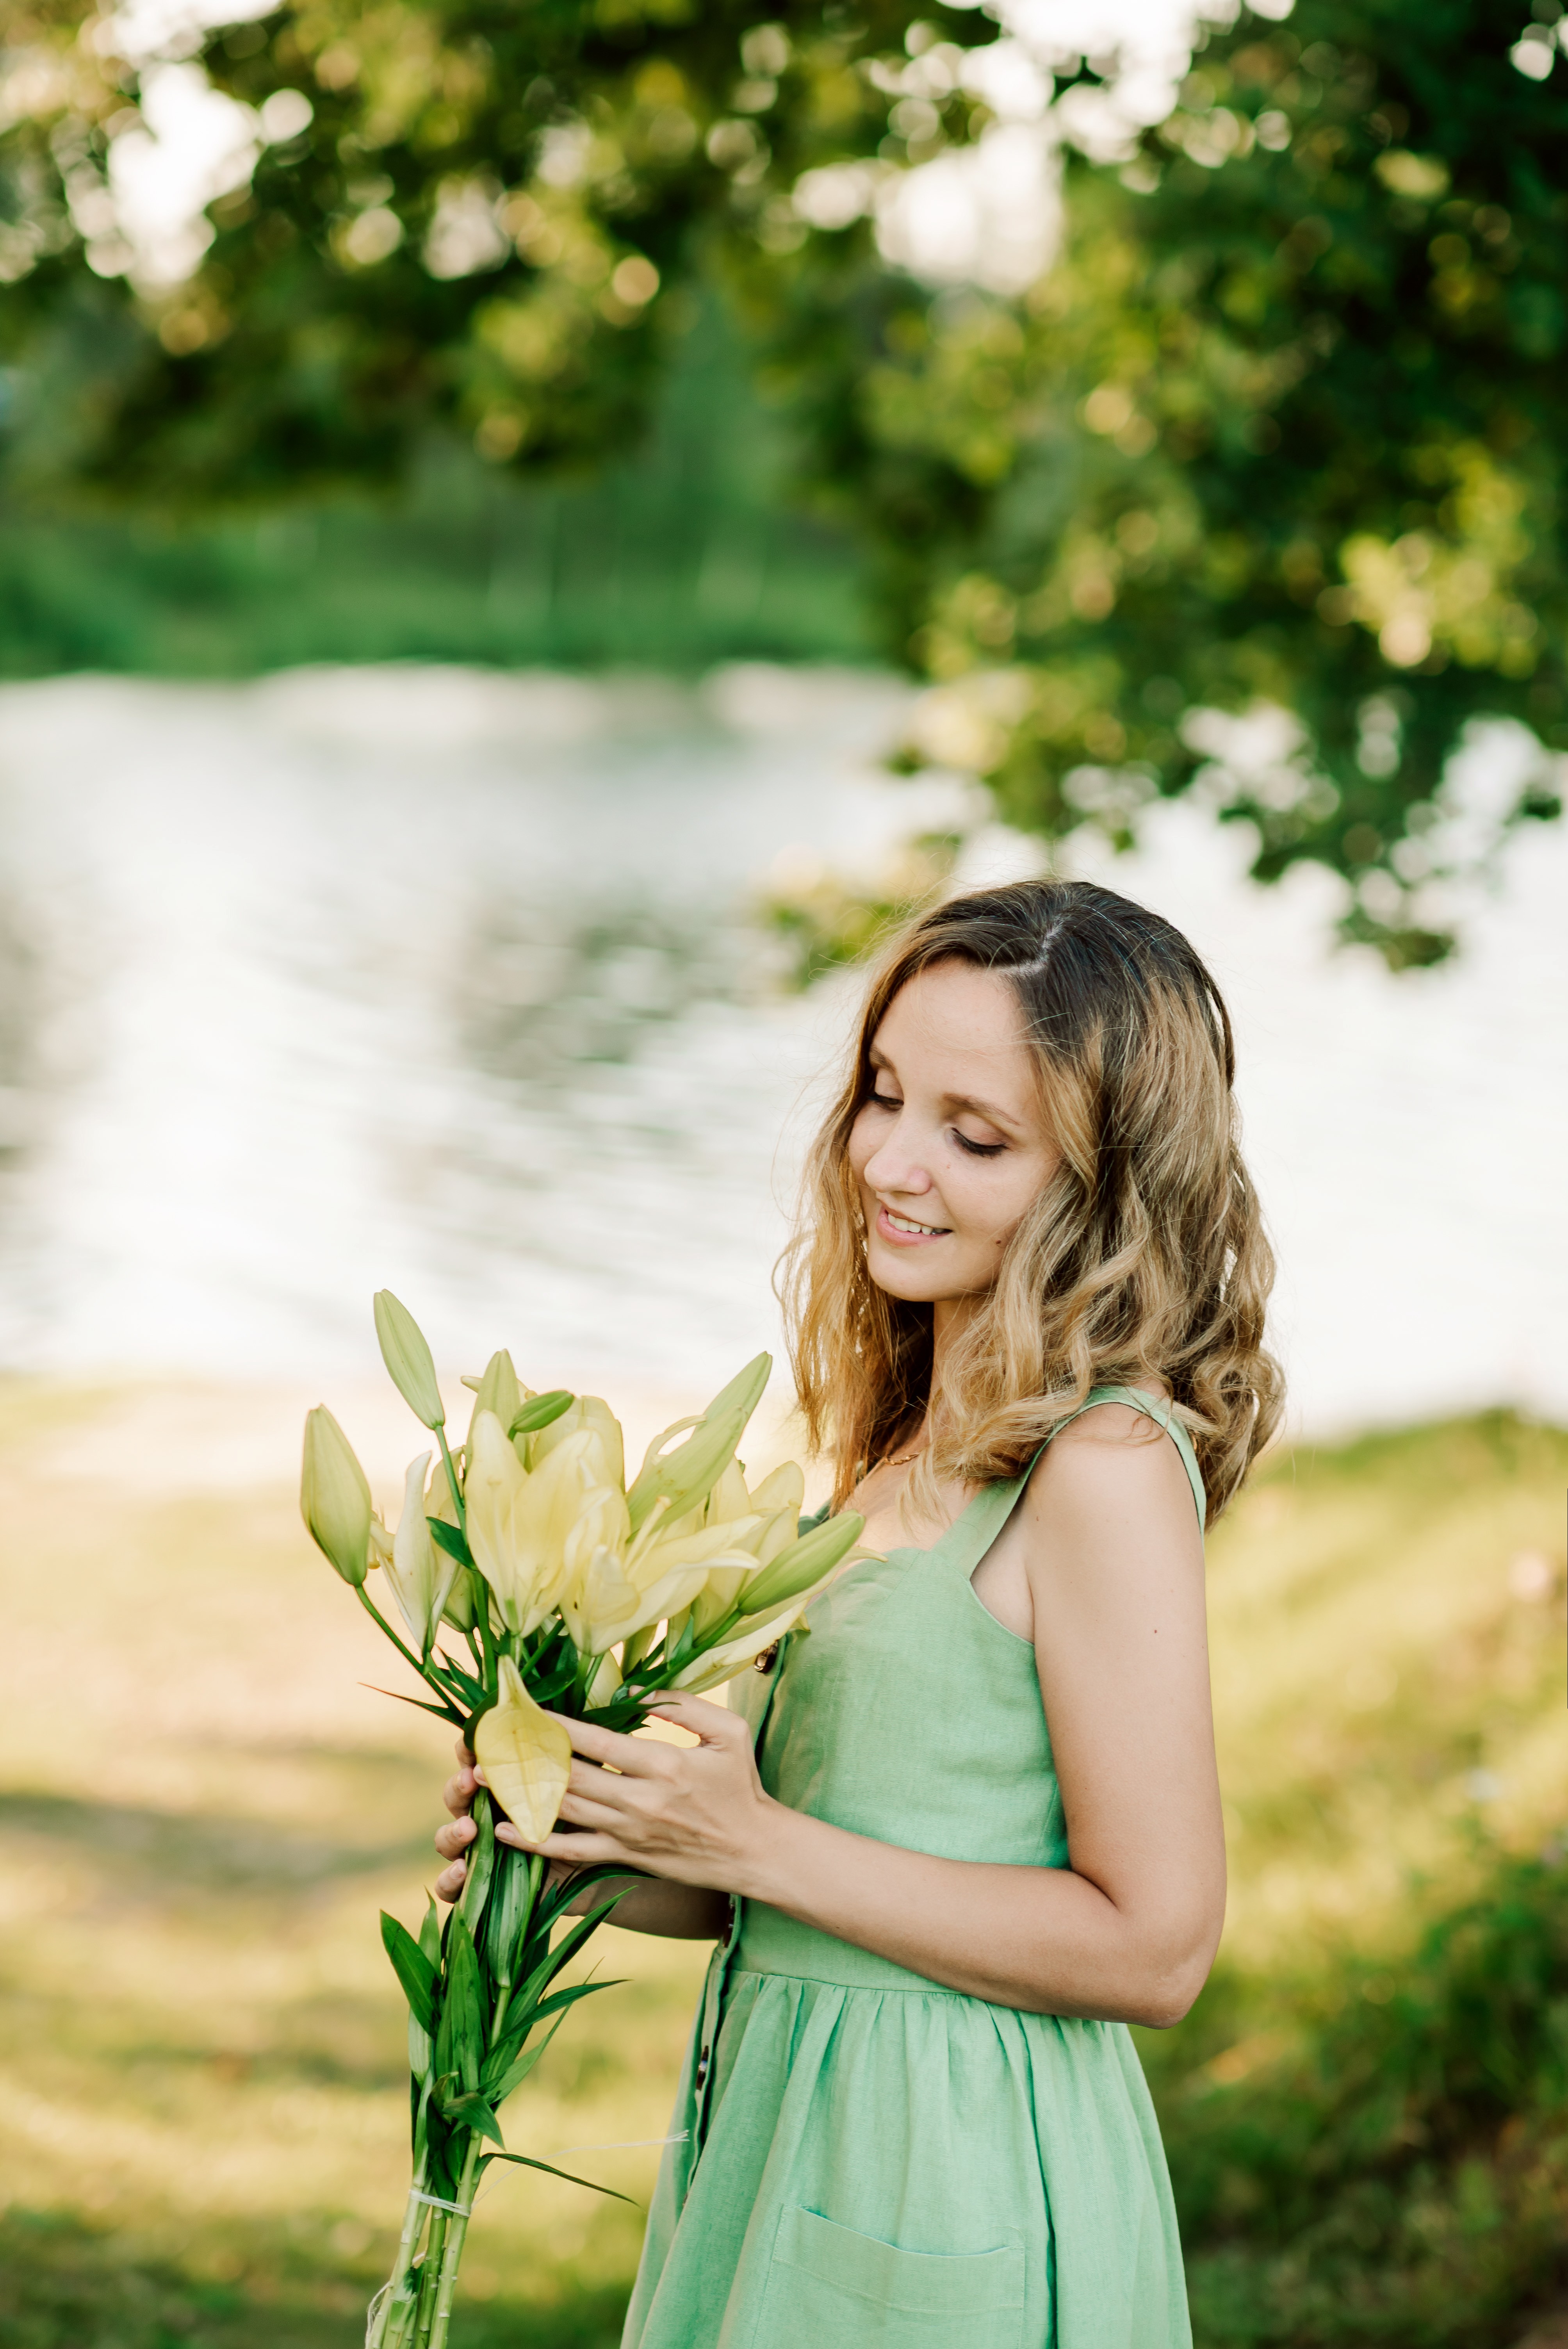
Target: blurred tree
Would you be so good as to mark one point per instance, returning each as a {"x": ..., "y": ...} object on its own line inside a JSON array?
[
  {"x": 1283, "y": 426},
  {"x": 1286, "y": 424},
  {"x": 464, "y": 213}
]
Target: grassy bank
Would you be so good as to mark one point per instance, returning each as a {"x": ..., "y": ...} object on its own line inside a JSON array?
[
  {"x": 685, "y": 553},
  {"x": 202, "y": 2098}
]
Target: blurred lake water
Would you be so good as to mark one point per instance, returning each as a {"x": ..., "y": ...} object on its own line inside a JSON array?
[{"x": 449, "y": 981}]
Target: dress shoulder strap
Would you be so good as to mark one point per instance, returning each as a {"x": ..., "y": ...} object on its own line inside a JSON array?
[{"x": 972, "y": 1534}]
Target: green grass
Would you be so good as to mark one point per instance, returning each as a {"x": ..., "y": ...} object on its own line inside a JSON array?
[{"x": 202, "y": 2110}]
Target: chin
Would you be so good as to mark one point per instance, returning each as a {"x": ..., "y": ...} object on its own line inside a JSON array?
[{"x": 913, "y": 1284}]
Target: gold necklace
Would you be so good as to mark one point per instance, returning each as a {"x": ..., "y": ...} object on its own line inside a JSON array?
[{"x": 903, "y": 1459}]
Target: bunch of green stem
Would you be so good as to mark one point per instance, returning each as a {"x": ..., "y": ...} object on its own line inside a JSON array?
[{"x": 480, "y": 2014}]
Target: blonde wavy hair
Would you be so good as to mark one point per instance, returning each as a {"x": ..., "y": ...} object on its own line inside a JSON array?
[{"x": 1143, "y": 1261}]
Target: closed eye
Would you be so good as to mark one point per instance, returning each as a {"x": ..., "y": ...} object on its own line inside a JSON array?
[
  {"x": 883, "y": 1100},
  {"x": 978, "y": 1149}
]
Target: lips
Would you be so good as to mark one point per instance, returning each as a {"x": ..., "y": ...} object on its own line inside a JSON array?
[{"x": 903, "y": 1231}]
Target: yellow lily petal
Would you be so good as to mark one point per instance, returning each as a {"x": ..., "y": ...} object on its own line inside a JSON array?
[
  {"x": 520, "y": 1525},
  {"x": 784, "y": 1489},
  {"x": 526, "y": 1756},
  {"x": 591, "y": 1415}
]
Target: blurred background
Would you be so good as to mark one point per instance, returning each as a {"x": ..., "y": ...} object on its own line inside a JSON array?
[{"x": 526, "y": 538}]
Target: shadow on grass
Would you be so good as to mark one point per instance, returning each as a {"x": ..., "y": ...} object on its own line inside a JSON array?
[
  {"x": 63, "y": 2285},
  {"x": 165, "y": 1847}
]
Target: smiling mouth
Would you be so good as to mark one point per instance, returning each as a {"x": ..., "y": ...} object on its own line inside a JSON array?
[{"x": 907, "y": 1225}]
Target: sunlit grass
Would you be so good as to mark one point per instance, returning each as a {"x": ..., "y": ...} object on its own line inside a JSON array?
[{"x": 203, "y": 2102}]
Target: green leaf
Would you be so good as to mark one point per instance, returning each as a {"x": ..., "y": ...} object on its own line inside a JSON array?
[
  {"x": 564, "y": 1997},
  {"x": 473, "y": 2112},
  {"x": 451, "y": 1539},
  {"x": 442, "y": 1711},
  {"x": 460, "y": 2036},
  {"x": 543, "y": 1412},
  {"x": 457, "y": 1676},
  {"x": 431, "y": 1932},
  {"x": 413, "y": 1969},
  {"x": 511, "y": 2076},
  {"x": 524, "y": 2162},
  {"x": 511, "y": 1906},
  {"x": 481, "y": 1857}
]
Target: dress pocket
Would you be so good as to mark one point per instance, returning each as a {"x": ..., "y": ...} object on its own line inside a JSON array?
[{"x": 832, "y": 2289}]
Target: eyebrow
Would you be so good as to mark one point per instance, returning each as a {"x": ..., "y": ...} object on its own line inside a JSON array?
[{"x": 879, "y": 1060}]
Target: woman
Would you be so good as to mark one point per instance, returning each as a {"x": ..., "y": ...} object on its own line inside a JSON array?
[{"x": 965, "y": 1826}]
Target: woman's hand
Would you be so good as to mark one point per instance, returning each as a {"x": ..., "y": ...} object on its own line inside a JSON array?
[
  {"x": 693, "y": 1815},
  {"x": 671, "y": 1909},
  {"x": 451, "y": 1842}
]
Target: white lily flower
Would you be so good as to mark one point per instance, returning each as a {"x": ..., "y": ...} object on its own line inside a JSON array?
[
  {"x": 520, "y": 1525},
  {"x": 420, "y": 1576}
]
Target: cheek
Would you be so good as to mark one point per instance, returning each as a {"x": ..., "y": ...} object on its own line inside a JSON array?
[
  {"x": 992, "y": 1210},
  {"x": 862, "y": 1146}
]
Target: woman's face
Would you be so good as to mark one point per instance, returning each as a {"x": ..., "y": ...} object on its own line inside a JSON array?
[{"x": 951, "y": 1149}]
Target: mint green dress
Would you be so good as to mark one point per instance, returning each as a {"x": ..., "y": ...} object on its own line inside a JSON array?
[{"x": 870, "y": 2161}]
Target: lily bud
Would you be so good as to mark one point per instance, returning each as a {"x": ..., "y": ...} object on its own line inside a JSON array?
[
  {"x": 688, "y": 1473},
  {"x": 334, "y": 1497},
  {"x": 497, "y": 1390},
  {"x": 686, "y": 1476},
  {"x": 752, "y": 1636},
  {"x": 526, "y": 1757},
  {"x": 805, "y": 1562},
  {"x": 407, "y": 1359}
]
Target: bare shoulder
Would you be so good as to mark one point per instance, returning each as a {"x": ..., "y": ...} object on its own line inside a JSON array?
[{"x": 1113, "y": 1474}]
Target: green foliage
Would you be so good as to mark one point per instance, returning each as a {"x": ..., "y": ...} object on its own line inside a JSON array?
[
  {"x": 472, "y": 225},
  {"x": 1398, "y": 2175},
  {"x": 675, "y": 556},
  {"x": 1286, "y": 423}
]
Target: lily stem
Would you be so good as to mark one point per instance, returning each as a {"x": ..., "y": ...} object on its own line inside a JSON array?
[
  {"x": 452, "y": 1479},
  {"x": 441, "y": 2316},
  {"x": 430, "y": 2279},
  {"x": 390, "y": 2327}
]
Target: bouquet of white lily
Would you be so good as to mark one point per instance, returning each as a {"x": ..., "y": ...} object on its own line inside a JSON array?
[{"x": 568, "y": 1588}]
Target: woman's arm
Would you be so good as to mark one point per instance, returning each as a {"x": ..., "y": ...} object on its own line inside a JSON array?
[
  {"x": 681, "y": 1912},
  {"x": 1128, "y": 1932}
]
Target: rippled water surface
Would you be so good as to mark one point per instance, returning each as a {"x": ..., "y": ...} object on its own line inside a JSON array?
[{"x": 447, "y": 981}]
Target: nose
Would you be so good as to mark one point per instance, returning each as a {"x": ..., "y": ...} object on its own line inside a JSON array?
[{"x": 895, "y": 1165}]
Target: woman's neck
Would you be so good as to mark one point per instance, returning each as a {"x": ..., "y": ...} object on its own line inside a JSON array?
[{"x": 950, "y": 1316}]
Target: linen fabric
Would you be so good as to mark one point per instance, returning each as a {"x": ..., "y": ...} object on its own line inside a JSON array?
[{"x": 871, "y": 2161}]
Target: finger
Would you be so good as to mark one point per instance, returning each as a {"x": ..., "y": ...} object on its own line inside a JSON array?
[
  {"x": 452, "y": 1841},
  {"x": 465, "y": 1755},
  {"x": 450, "y": 1881},
  {"x": 457, "y": 1793},
  {"x": 714, "y": 1723},
  {"x": 593, "y": 1778},
  {"x": 636, "y": 1757},
  {"x": 581, "y": 1811},
  {"x": 588, "y": 1851}
]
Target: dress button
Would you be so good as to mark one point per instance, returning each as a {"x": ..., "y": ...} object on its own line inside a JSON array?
[
  {"x": 702, "y": 2066},
  {"x": 767, "y": 1659}
]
